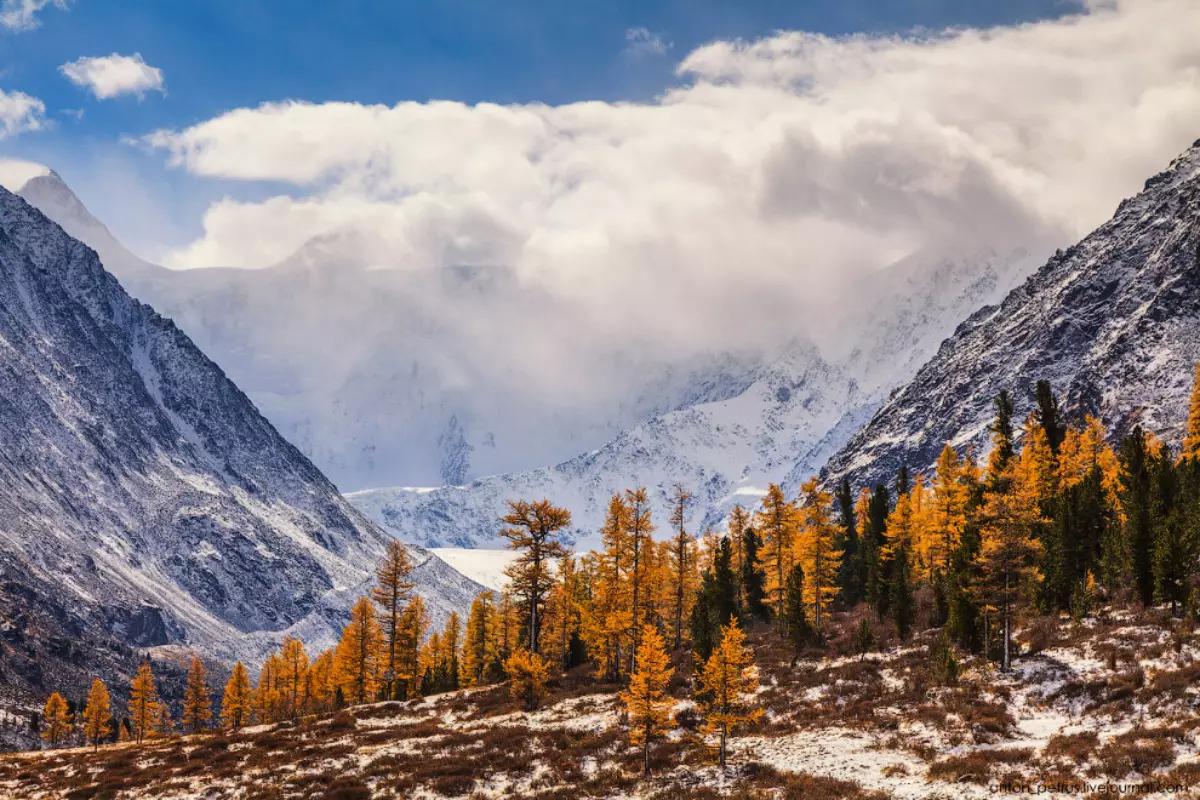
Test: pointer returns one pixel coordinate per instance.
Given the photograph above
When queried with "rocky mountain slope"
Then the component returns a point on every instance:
(1110, 322)
(796, 412)
(143, 498)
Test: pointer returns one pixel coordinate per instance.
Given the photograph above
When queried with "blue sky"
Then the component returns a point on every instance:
(217, 55)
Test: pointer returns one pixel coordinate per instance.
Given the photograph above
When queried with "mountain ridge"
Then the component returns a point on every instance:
(1106, 321)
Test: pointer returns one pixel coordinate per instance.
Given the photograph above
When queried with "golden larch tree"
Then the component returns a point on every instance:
(816, 549)
(145, 709)
(237, 703)
(564, 621)
(56, 721)
(1191, 438)
(413, 626)
(268, 697)
(356, 662)
(478, 641)
(1038, 462)
(728, 681)
(97, 714)
(607, 619)
(948, 514)
(393, 590)
(318, 684)
(528, 673)
(777, 523)
(293, 668)
(647, 702)
(197, 699)
(640, 533)
(532, 531)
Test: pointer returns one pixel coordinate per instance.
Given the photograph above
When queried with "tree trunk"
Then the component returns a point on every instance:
(646, 756)
(1007, 624)
(723, 733)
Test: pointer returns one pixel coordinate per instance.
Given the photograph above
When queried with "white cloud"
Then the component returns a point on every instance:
(21, 15)
(115, 75)
(20, 113)
(732, 209)
(14, 174)
(643, 42)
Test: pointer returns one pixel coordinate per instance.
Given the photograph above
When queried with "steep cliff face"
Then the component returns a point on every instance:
(143, 498)
(1111, 323)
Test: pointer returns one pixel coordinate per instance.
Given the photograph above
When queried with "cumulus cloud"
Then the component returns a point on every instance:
(736, 207)
(643, 42)
(20, 113)
(114, 75)
(21, 15)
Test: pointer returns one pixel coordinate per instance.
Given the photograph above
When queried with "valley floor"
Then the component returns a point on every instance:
(1101, 708)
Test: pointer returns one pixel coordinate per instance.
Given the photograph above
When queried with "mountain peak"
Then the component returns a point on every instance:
(15, 174)
(1110, 322)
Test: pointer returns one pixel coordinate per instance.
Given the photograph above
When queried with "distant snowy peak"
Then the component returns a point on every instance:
(778, 426)
(723, 451)
(1111, 322)
(50, 194)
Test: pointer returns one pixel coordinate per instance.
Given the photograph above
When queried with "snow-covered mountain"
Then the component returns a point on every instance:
(144, 500)
(796, 412)
(1111, 322)
(380, 375)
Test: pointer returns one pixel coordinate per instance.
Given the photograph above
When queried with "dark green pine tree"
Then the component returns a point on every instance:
(1175, 537)
(851, 578)
(753, 581)
(799, 632)
(964, 619)
(1138, 498)
(873, 539)
(1073, 543)
(1002, 435)
(716, 602)
(1048, 416)
(901, 601)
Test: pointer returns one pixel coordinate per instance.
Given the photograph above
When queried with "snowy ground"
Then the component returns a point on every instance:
(485, 567)
(1107, 707)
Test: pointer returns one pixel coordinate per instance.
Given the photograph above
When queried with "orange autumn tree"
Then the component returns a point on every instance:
(948, 514)
(1191, 438)
(197, 699)
(608, 617)
(528, 673)
(237, 703)
(97, 714)
(816, 549)
(56, 720)
(293, 669)
(356, 662)
(533, 530)
(728, 681)
(145, 712)
(392, 592)
(776, 522)
(646, 700)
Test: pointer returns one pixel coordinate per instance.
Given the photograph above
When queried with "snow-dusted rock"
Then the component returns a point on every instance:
(1111, 322)
(142, 495)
